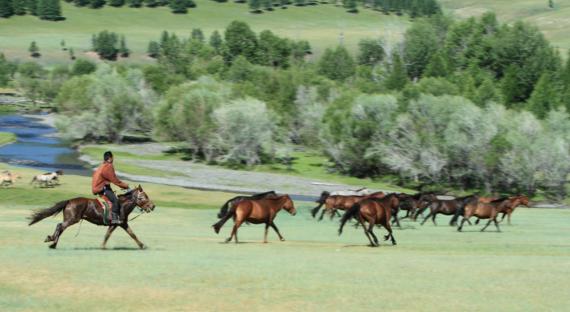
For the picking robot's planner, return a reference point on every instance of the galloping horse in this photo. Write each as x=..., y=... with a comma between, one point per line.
x=88, y=209
x=257, y=211
x=510, y=205
x=340, y=202
x=7, y=178
x=491, y=210
x=374, y=211
x=48, y=179
x=446, y=207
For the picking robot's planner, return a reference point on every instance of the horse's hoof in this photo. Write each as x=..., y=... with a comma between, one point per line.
x=48, y=239
x=143, y=246
x=228, y=240
x=282, y=239
x=52, y=246
x=265, y=242
x=394, y=244
x=103, y=247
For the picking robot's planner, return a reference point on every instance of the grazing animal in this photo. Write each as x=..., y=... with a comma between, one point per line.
x=89, y=209
x=47, y=179
x=257, y=211
x=374, y=211
x=7, y=178
x=445, y=207
x=333, y=203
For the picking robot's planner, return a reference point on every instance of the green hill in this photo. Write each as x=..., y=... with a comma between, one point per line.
x=322, y=25
x=554, y=23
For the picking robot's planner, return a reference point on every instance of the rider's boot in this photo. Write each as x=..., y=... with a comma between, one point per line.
x=116, y=218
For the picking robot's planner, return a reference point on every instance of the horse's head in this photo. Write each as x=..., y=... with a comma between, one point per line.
x=141, y=199
x=289, y=206
x=59, y=172
x=523, y=200
x=324, y=196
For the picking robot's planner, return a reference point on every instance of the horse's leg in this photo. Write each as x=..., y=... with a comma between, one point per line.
x=461, y=224
x=483, y=229
x=366, y=233
x=237, y=224
x=323, y=214
x=497, y=225
x=128, y=229
x=509, y=217
x=338, y=213
x=433, y=218
x=333, y=213
x=266, y=229
x=370, y=230
x=426, y=218
x=59, y=230
x=110, y=230
x=50, y=238
x=276, y=231
x=390, y=234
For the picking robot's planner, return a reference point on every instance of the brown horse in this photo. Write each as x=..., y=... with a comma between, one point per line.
x=445, y=207
x=257, y=211
x=491, y=210
x=374, y=211
x=89, y=209
x=339, y=202
x=509, y=207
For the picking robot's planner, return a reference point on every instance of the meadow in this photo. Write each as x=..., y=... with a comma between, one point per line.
x=187, y=267
x=322, y=25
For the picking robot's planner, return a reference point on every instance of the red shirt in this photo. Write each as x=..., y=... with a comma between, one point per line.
x=105, y=175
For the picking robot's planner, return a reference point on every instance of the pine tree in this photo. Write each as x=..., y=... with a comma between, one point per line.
x=178, y=6
x=153, y=49
x=49, y=10
x=32, y=6
x=197, y=34
x=34, y=50
x=151, y=3
x=254, y=6
x=19, y=7
x=105, y=44
x=268, y=5
x=6, y=9
x=487, y=93
x=300, y=2
x=216, y=41
x=337, y=64
x=71, y=54
x=96, y=4
x=545, y=96
x=123, y=50
x=116, y=3
x=350, y=6
x=437, y=66
x=135, y=3
x=79, y=3
x=397, y=77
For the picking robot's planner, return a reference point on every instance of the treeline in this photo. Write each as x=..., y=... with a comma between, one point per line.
x=44, y=9
x=471, y=104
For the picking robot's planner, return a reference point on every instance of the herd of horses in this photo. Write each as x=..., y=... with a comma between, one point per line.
x=48, y=179
x=369, y=210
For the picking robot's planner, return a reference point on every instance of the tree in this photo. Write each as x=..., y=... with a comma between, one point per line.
x=437, y=66
x=254, y=6
x=197, y=34
x=105, y=44
x=71, y=54
x=123, y=49
x=32, y=6
x=240, y=40
x=153, y=49
x=545, y=97
x=34, y=50
x=420, y=43
x=371, y=52
x=116, y=3
x=96, y=4
x=6, y=70
x=6, y=9
x=19, y=7
x=273, y=51
x=551, y=4
x=49, y=10
x=135, y=3
x=178, y=6
x=151, y=3
x=216, y=41
x=268, y=5
x=81, y=3
x=350, y=6
x=397, y=77
x=83, y=67
x=337, y=64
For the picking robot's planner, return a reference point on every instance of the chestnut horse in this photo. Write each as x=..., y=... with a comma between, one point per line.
x=374, y=211
x=257, y=211
x=339, y=202
x=89, y=209
x=235, y=200
x=490, y=210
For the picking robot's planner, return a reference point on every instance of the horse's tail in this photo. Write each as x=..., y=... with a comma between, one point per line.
x=225, y=214
x=348, y=215
x=44, y=213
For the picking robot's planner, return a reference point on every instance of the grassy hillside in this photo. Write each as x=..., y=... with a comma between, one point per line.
x=6, y=138
x=321, y=25
x=554, y=23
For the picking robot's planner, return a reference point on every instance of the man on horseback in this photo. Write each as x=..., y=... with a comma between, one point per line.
x=103, y=176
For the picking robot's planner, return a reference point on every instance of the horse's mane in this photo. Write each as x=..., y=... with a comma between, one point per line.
x=500, y=199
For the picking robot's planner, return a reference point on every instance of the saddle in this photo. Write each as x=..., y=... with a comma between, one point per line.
x=106, y=205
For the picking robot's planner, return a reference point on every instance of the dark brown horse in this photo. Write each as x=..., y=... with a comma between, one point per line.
x=89, y=209
x=491, y=210
x=257, y=211
x=374, y=211
x=445, y=207
x=413, y=203
x=333, y=203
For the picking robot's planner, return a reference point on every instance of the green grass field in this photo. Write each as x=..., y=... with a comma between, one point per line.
x=7, y=137
x=186, y=267
x=554, y=23
x=321, y=25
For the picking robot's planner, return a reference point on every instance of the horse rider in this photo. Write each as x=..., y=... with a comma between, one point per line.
x=103, y=176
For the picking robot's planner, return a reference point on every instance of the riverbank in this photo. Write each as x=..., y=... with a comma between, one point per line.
x=7, y=138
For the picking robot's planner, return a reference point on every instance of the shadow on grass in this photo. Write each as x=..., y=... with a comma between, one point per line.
x=118, y=248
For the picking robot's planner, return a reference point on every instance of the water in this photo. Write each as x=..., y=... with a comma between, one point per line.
x=37, y=147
